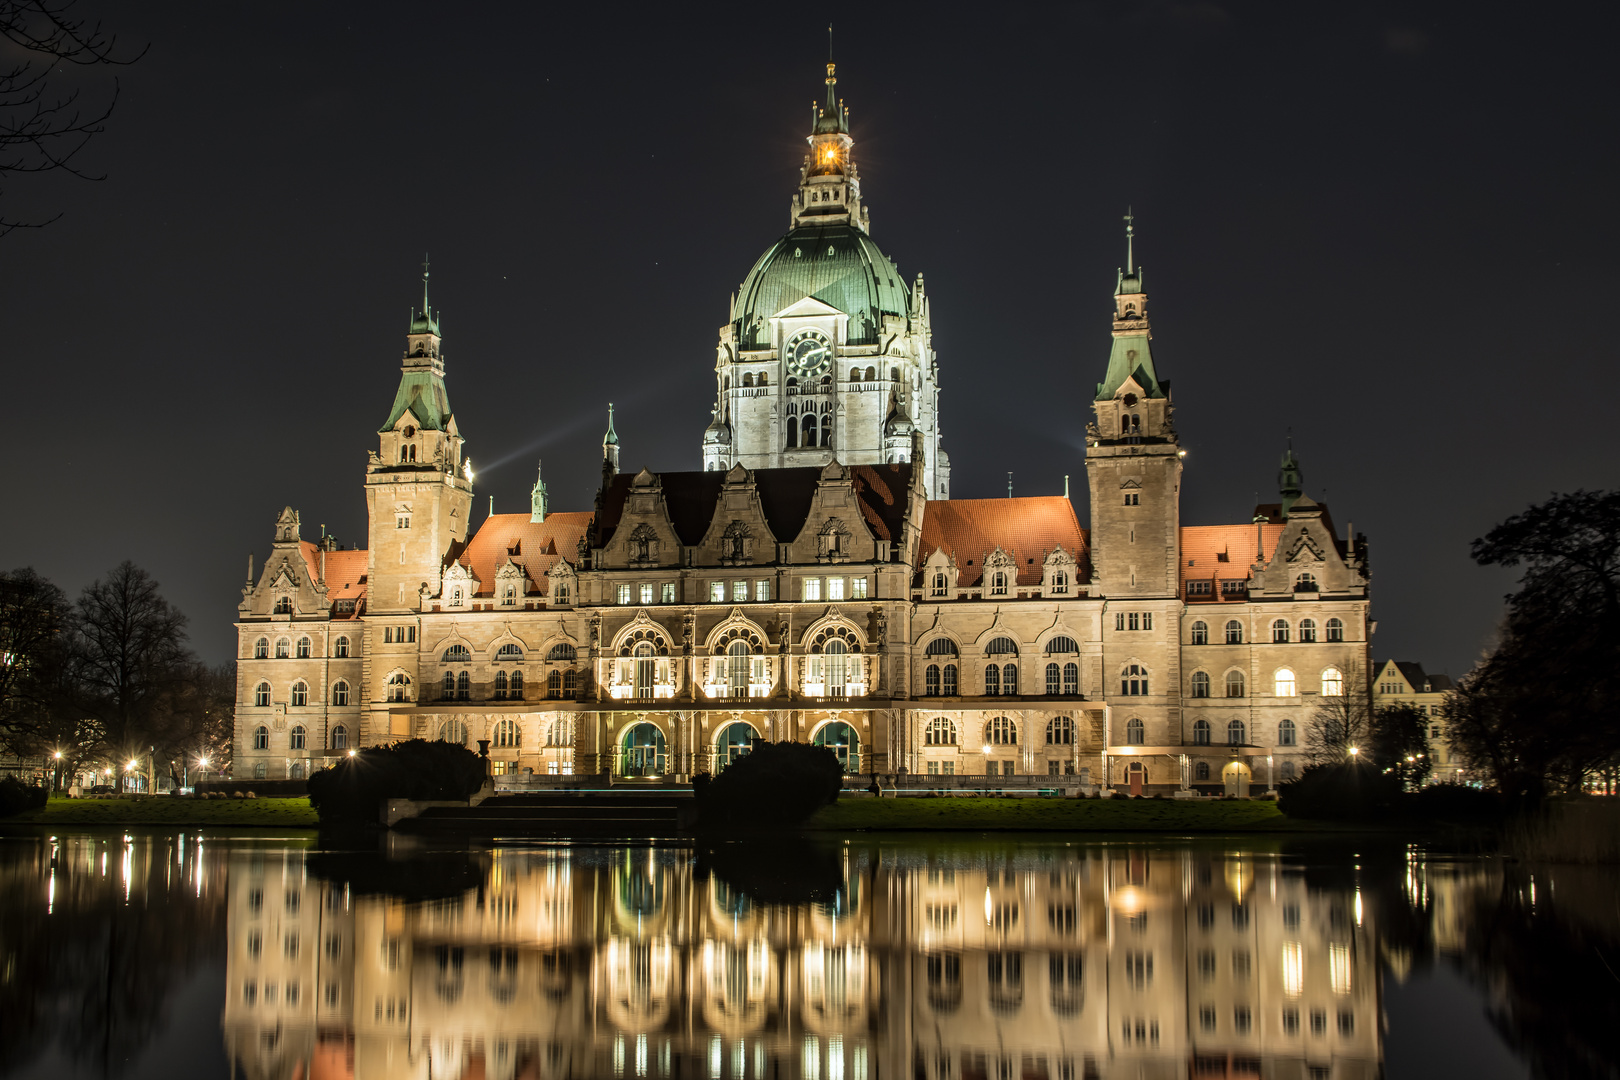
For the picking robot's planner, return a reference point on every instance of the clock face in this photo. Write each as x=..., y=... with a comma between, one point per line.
x=807, y=353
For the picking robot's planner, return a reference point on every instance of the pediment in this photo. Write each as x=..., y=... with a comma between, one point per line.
x=808, y=308
x=1306, y=547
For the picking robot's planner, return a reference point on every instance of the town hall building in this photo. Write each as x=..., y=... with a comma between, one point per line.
x=813, y=580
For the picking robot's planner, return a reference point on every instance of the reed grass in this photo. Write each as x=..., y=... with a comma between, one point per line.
x=1584, y=830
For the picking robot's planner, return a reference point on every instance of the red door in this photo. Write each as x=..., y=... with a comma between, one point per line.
x=1136, y=775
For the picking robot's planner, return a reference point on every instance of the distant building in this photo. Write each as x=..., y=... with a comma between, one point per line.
x=1402, y=682
x=819, y=586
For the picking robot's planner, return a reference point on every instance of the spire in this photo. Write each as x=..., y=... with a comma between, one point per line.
x=1131, y=358
x=1290, y=480
x=424, y=321
x=610, y=445
x=832, y=118
x=537, y=496
x=829, y=185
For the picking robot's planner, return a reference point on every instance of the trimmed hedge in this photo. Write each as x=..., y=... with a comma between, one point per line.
x=16, y=797
x=774, y=786
x=352, y=792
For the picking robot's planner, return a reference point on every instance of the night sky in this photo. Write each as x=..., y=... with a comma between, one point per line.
x=1391, y=232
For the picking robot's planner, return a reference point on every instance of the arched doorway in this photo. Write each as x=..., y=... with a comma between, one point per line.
x=1136, y=776
x=1236, y=776
x=733, y=742
x=644, y=751
x=842, y=740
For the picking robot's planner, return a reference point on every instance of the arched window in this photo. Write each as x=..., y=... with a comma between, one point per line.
x=1285, y=771
x=340, y=693
x=561, y=653
x=295, y=739
x=1234, y=684
x=1307, y=630
x=453, y=731
x=1060, y=731
x=1283, y=683
x=1287, y=733
x=871, y=374
x=1200, y=684
x=1135, y=732
x=940, y=732
x=1332, y=683
x=808, y=427
x=1306, y=582
x=737, y=657
x=399, y=687
x=340, y=647
x=303, y=648
x=509, y=651
x=764, y=378
x=854, y=374
x=1001, y=731
x=283, y=650
x=998, y=583
x=948, y=683
x=1054, y=679
x=517, y=686
x=463, y=687
x=340, y=738
x=300, y=692
x=261, y=695
x=1062, y=644
x=931, y=680
x=457, y=654
x=447, y=691
x=748, y=379
x=1133, y=680
x=508, y=735
x=1234, y=632
x=1071, y=678
x=1200, y=732
x=1234, y=733
x=1001, y=646
x=561, y=732
x=1009, y=678
x=938, y=587
x=570, y=684
x=261, y=738
x=894, y=374
x=500, y=686
x=1201, y=771
x=940, y=646
x=1335, y=630
x=837, y=667
x=261, y=649
x=1279, y=631
x=1200, y=633
x=992, y=679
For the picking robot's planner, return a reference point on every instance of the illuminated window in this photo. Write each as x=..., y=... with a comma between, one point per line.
x=812, y=588
x=1332, y=683
x=835, y=588
x=762, y=591
x=1283, y=683
x=647, y=593
x=624, y=594
x=857, y=588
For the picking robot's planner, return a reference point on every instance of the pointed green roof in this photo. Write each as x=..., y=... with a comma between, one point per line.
x=1131, y=357
x=421, y=393
x=612, y=437
x=832, y=119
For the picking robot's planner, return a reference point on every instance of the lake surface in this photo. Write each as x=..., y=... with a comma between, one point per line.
x=148, y=954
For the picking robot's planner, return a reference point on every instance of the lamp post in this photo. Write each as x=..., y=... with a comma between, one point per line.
x=202, y=769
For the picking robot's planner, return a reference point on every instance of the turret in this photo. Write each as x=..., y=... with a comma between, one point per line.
x=829, y=184
x=537, y=495
x=1290, y=482
x=610, y=447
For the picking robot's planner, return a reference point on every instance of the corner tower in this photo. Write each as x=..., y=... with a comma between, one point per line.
x=418, y=487
x=828, y=353
x=1133, y=457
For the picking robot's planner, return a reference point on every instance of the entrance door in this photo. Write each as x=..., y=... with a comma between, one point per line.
x=842, y=740
x=1236, y=775
x=1136, y=776
x=733, y=742
x=643, y=751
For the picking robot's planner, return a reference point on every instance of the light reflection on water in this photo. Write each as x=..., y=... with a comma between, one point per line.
x=830, y=962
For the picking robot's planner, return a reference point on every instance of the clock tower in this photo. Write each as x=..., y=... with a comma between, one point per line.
x=828, y=353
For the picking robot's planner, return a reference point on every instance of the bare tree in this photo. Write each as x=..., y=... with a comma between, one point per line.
x=44, y=124
x=33, y=619
x=1341, y=726
x=130, y=658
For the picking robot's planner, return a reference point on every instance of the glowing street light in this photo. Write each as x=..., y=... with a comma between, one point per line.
x=1354, y=751
x=351, y=753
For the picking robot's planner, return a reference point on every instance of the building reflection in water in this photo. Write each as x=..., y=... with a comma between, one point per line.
x=633, y=963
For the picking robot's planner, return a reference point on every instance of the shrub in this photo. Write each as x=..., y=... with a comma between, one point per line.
x=1348, y=792
x=1457, y=804
x=773, y=786
x=16, y=797
x=353, y=790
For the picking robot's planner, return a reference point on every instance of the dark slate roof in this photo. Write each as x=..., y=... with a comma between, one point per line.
x=784, y=494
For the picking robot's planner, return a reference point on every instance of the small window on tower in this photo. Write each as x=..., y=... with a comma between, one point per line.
x=1133, y=499
x=402, y=521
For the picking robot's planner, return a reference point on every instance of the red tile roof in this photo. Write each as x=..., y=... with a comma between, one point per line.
x=345, y=574
x=1026, y=528
x=1224, y=552
x=534, y=548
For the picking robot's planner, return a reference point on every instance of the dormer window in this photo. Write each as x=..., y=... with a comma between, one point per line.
x=939, y=583
x=283, y=605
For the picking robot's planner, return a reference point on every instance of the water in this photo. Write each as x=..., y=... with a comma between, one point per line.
x=162, y=954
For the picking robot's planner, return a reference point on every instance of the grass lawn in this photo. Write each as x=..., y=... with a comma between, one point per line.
x=1097, y=815
x=161, y=810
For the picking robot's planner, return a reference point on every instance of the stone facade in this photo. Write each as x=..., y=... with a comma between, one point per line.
x=1402, y=682
x=822, y=594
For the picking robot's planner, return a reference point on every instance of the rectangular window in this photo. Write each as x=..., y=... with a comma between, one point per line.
x=1198, y=588
x=857, y=588
x=933, y=768
x=624, y=594
x=1147, y=620
x=717, y=592
x=647, y=594
x=1119, y=620
x=762, y=591
x=668, y=592
x=950, y=768
x=812, y=588
x=1052, y=768
x=739, y=591
x=835, y=588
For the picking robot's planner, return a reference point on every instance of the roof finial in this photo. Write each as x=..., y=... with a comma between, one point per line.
x=829, y=43
x=1130, y=237
x=424, y=286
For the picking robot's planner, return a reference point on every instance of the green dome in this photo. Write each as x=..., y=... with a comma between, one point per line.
x=838, y=265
